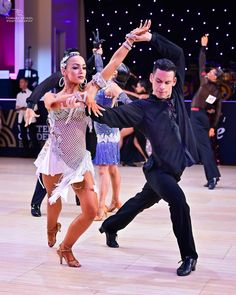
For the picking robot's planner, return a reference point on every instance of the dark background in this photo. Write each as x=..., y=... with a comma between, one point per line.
x=183, y=22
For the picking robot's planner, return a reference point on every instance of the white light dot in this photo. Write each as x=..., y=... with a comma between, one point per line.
x=182, y=20
x=172, y=15
x=187, y=10
x=196, y=41
x=232, y=47
x=199, y=13
x=108, y=24
x=161, y=10
x=159, y=25
x=140, y=77
x=139, y=5
x=111, y=48
x=111, y=35
x=134, y=46
x=227, y=35
x=225, y=10
x=204, y=23
x=102, y=14
x=87, y=20
x=90, y=39
x=192, y=29
x=221, y=53
x=186, y=69
x=185, y=39
x=149, y=48
x=119, y=28
x=103, y=57
x=217, y=28
x=115, y=11
x=168, y=30
x=126, y=12
x=134, y=61
x=130, y=23
x=189, y=54
x=140, y=49
x=229, y=23
x=92, y=12
x=213, y=9
x=217, y=43
x=119, y=43
x=150, y=13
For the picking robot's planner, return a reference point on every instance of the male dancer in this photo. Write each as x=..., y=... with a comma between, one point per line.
x=163, y=120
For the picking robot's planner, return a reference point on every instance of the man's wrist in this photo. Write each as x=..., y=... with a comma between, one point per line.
x=30, y=105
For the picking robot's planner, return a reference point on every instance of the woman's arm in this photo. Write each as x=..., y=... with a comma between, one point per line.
x=99, y=80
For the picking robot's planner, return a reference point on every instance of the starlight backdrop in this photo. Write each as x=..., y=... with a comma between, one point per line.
x=183, y=22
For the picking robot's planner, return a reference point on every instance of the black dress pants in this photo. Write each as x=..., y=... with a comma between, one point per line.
x=160, y=185
x=39, y=193
x=200, y=124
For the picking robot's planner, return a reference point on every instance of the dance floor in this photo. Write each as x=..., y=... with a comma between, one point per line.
x=148, y=256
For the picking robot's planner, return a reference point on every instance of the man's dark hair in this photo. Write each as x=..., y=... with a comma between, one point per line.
x=164, y=64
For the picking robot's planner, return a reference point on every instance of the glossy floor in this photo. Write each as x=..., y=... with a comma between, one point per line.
x=148, y=256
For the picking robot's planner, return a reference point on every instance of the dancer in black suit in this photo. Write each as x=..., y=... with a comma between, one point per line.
x=163, y=120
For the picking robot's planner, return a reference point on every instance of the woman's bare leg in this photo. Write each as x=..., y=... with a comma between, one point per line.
x=138, y=147
x=89, y=207
x=115, y=182
x=53, y=211
x=104, y=182
x=125, y=132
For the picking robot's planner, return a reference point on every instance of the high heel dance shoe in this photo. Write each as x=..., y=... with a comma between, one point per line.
x=102, y=214
x=113, y=206
x=66, y=253
x=52, y=235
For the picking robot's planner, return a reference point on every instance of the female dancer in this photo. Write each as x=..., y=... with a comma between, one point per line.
x=107, y=155
x=64, y=160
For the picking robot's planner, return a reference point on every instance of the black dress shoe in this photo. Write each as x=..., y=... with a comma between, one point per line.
x=188, y=265
x=35, y=210
x=110, y=238
x=212, y=183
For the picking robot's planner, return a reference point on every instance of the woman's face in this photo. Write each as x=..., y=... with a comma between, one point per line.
x=75, y=71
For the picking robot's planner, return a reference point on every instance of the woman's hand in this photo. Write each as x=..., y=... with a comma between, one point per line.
x=141, y=33
x=91, y=90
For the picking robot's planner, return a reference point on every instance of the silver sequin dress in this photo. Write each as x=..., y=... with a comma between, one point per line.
x=65, y=150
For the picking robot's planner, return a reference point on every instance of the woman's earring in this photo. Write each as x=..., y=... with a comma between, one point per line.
x=82, y=85
x=61, y=82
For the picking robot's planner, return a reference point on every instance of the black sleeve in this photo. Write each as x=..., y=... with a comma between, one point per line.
x=129, y=115
x=170, y=50
x=45, y=86
x=90, y=63
x=202, y=63
x=217, y=114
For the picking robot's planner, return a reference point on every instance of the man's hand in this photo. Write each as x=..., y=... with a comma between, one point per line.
x=29, y=116
x=98, y=50
x=204, y=40
x=211, y=132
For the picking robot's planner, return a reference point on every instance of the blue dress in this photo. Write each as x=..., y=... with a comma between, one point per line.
x=108, y=148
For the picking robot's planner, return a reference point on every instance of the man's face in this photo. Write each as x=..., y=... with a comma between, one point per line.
x=162, y=83
x=23, y=84
x=212, y=75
